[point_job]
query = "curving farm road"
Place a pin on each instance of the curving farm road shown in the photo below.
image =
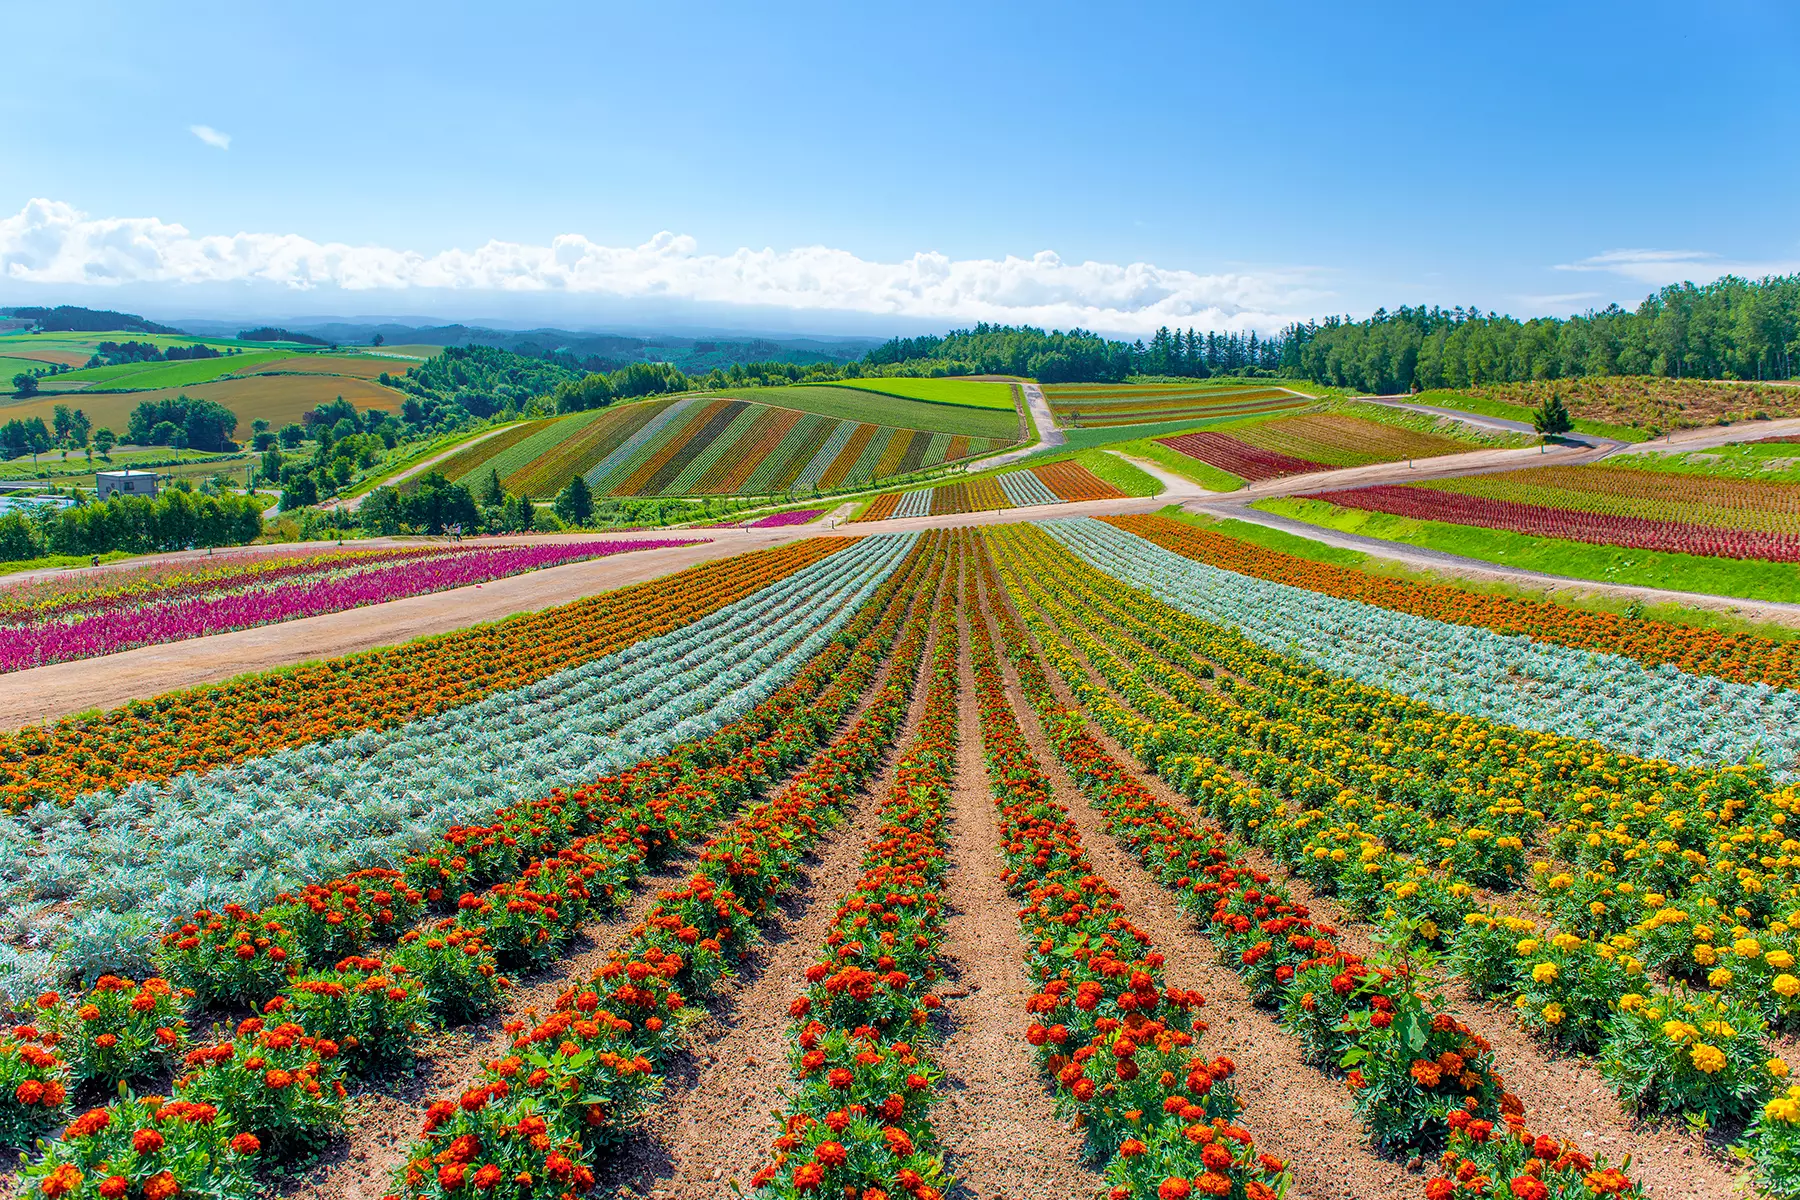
(46, 693)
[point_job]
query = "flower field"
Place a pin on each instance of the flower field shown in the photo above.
(652, 893)
(1055, 483)
(59, 623)
(1311, 442)
(724, 445)
(1687, 514)
(1098, 404)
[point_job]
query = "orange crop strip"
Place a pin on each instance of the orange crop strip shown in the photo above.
(881, 509)
(1739, 657)
(212, 726)
(1072, 481)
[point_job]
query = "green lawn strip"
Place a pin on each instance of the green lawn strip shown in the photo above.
(1370, 564)
(968, 393)
(1774, 463)
(1175, 462)
(1463, 402)
(413, 456)
(181, 373)
(58, 561)
(1748, 579)
(878, 408)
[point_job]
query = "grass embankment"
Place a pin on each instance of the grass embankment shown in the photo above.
(1485, 407)
(1746, 579)
(1303, 547)
(1776, 462)
(969, 393)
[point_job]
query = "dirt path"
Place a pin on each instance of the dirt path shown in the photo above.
(715, 1126)
(44, 693)
(1001, 1135)
(399, 477)
(1294, 1111)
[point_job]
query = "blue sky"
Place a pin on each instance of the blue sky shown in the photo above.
(905, 166)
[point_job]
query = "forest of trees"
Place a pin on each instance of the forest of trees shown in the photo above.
(71, 318)
(1077, 356)
(1729, 329)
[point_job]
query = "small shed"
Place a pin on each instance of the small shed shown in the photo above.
(127, 483)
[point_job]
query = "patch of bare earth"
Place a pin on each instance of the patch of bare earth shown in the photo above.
(1001, 1135)
(716, 1121)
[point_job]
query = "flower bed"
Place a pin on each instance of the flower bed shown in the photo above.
(146, 620)
(607, 833)
(1738, 657)
(859, 1117)
(1116, 1042)
(207, 727)
(613, 1037)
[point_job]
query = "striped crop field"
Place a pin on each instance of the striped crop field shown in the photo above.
(1086, 405)
(724, 444)
(1309, 442)
(889, 866)
(1687, 514)
(1053, 483)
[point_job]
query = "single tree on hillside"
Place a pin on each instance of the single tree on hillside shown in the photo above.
(25, 384)
(1552, 416)
(492, 494)
(575, 503)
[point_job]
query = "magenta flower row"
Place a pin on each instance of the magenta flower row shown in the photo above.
(153, 623)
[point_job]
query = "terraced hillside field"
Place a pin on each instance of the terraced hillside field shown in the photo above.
(725, 444)
(1091, 405)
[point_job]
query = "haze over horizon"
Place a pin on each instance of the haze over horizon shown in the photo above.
(814, 170)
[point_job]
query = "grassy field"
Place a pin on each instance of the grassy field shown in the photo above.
(1506, 411)
(140, 377)
(55, 469)
(854, 404)
(1205, 474)
(1301, 547)
(278, 399)
(74, 349)
(972, 393)
(1748, 579)
(1775, 462)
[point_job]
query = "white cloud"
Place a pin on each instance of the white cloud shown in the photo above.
(1659, 267)
(211, 136)
(51, 242)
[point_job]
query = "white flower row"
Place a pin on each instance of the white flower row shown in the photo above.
(1025, 489)
(1653, 712)
(914, 504)
(120, 865)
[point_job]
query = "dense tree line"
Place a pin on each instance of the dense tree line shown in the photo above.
(183, 423)
(597, 390)
(70, 318)
(269, 333)
(175, 520)
(111, 354)
(480, 380)
(1729, 329)
(1076, 356)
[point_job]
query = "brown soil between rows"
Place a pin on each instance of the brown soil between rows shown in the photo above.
(714, 1126)
(1001, 1135)
(384, 1119)
(1295, 1112)
(1564, 1096)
